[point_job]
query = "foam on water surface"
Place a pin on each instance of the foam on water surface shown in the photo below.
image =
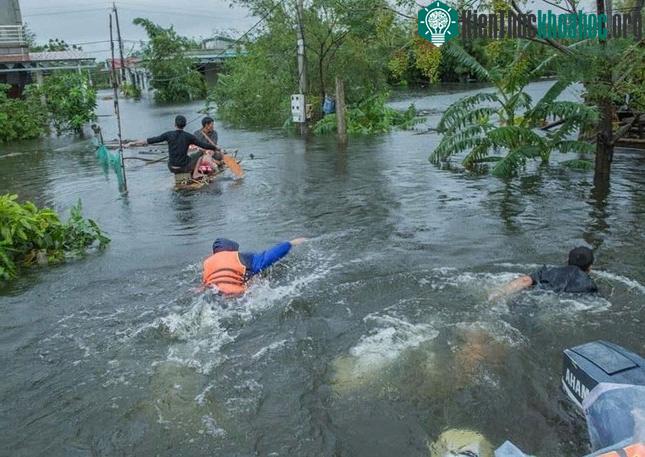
(379, 349)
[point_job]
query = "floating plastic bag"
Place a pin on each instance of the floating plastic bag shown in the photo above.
(615, 415)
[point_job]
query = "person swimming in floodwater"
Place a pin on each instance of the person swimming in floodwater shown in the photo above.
(228, 270)
(572, 278)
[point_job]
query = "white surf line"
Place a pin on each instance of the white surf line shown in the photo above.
(631, 283)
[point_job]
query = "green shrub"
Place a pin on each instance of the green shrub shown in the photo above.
(20, 119)
(130, 91)
(71, 100)
(29, 235)
(370, 116)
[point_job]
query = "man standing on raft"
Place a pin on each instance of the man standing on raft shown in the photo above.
(228, 270)
(179, 160)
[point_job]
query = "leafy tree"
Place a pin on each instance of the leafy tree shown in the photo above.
(70, 100)
(253, 89)
(353, 39)
(53, 45)
(174, 77)
(595, 63)
(20, 119)
(505, 120)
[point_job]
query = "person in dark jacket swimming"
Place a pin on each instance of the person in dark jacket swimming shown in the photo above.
(573, 278)
(179, 160)
(228, 270)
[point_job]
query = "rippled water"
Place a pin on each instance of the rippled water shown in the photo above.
(370, 340)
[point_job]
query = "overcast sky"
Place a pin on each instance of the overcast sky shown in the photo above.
(77, 21)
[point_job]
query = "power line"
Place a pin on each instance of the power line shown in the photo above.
(167, 12)
(59, 12)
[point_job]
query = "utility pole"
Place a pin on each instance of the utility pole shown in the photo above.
(341, 126)
(116, 107)
(302, 61)
(118, 34)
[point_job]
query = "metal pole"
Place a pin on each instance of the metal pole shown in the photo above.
(116, 107)
(118, 34)
(341, 127)
(302, 60)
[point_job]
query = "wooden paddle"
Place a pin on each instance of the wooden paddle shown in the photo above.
(232, 165)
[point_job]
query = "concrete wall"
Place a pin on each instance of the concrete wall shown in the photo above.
(10, 12)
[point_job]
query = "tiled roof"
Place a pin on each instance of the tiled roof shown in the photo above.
(44, 57)
(58, 55)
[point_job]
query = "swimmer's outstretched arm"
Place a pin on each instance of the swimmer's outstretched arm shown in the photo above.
(260, 261)
(521, 283)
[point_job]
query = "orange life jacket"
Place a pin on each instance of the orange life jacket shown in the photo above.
(633, 450)
(225, 271)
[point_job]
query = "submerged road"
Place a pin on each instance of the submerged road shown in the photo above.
(370, 340)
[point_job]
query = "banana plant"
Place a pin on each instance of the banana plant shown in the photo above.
(501, 126)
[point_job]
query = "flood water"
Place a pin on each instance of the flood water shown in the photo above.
(370, 340)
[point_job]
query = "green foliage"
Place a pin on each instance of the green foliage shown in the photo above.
(20, 119)
(100, 78)
(352, 39)
(54, 45)
(130, 91)
(428, 59)
(398, 64)
(505, 120)
(254, 88)
(613, 72)
(173, 75)
(370, 116)
(71, 101)
(30, 235)
(578, 164)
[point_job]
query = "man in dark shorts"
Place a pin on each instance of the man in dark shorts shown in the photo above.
(179, 160)
(572, 278)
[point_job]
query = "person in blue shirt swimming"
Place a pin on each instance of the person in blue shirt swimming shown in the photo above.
(228, 270)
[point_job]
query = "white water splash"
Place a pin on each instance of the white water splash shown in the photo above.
(377, 351)
(199, 332)
(631, 283)
(212, 428)
(269, 348)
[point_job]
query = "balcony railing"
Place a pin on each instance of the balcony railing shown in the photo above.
(12, 35)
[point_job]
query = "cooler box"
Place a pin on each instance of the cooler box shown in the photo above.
(587, 365)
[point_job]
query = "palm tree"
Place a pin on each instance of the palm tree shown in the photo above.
(487, 124)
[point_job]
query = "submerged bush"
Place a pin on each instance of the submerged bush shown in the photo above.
(29, 235)
(20, 119)
(130, 91)
(370, 116)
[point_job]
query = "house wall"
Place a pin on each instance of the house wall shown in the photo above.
(10, 12)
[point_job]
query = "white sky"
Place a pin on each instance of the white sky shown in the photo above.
(77, 21)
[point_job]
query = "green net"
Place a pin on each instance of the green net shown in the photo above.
(109, 156)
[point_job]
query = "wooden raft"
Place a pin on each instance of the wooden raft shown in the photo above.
(184, 181)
